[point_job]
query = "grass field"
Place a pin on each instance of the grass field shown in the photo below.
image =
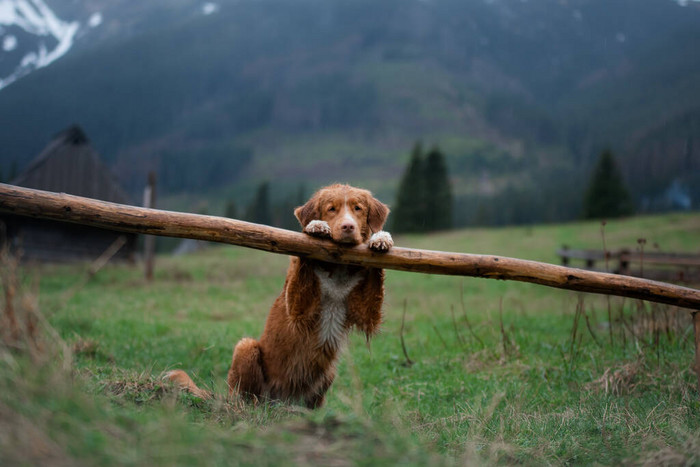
(501, 373)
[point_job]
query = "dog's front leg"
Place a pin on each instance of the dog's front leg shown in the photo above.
(318, 228)
(381, 241)
(301, 291)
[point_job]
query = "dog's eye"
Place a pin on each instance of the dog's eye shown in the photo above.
(331, 209)
(358, 208)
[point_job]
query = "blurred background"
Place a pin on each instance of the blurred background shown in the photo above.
(243, 107)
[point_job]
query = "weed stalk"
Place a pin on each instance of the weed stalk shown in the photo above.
(409, 362)
(573, 351)
(454, 324)
(466, 319)
(504, 337)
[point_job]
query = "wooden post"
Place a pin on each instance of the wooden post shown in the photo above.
(624, 257)
(565, 255)
(149, 242)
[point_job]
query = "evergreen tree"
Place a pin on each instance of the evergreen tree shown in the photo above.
(259, 210)
(424, 198)
(438, 195)
(409, 213)
(607, 195)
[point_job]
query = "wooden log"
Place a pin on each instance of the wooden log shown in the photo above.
(68, 208)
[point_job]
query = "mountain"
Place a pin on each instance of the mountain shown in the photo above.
(32, 37)
(35, 33)
(521, 95)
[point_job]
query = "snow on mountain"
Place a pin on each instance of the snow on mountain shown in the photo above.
(35, 33)
(95, 20)
(9, 43)
(210, 8)
(32, 37)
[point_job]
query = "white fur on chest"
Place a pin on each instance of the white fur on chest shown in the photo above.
(335, 288)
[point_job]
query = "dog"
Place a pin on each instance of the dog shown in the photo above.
(295, 358)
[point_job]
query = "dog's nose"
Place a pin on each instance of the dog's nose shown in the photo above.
(348, 227)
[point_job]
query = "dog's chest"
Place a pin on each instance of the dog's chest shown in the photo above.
(335, 287)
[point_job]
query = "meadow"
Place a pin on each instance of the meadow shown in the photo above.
(465, 371)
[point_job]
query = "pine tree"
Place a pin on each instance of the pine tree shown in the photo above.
(438, 194)
(607, 195)
(259, 210)
(409, 212)
(424, 198)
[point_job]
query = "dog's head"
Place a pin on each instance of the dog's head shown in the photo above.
(353, 214)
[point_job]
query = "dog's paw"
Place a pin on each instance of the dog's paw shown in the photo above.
(318, 229)
(381, 241)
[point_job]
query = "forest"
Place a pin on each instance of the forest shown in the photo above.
(319, 89)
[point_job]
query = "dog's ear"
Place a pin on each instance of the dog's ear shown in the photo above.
(376, 217)
(307, 212)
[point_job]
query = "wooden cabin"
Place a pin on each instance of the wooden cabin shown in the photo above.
(69, 164)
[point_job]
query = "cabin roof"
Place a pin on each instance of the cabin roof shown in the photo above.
(70, 164)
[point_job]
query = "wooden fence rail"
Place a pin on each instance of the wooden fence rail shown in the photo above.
(683, 267)
(68, 208)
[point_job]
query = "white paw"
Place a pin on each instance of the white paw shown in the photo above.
(318, 229)
(381, 241)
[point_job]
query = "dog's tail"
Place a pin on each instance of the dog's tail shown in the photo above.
(185, 383)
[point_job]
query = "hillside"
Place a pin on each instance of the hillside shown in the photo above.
(521, 95)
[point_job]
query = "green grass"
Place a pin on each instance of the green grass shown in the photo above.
(497, 377)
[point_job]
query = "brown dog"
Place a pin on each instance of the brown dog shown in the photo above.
(294, 359)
